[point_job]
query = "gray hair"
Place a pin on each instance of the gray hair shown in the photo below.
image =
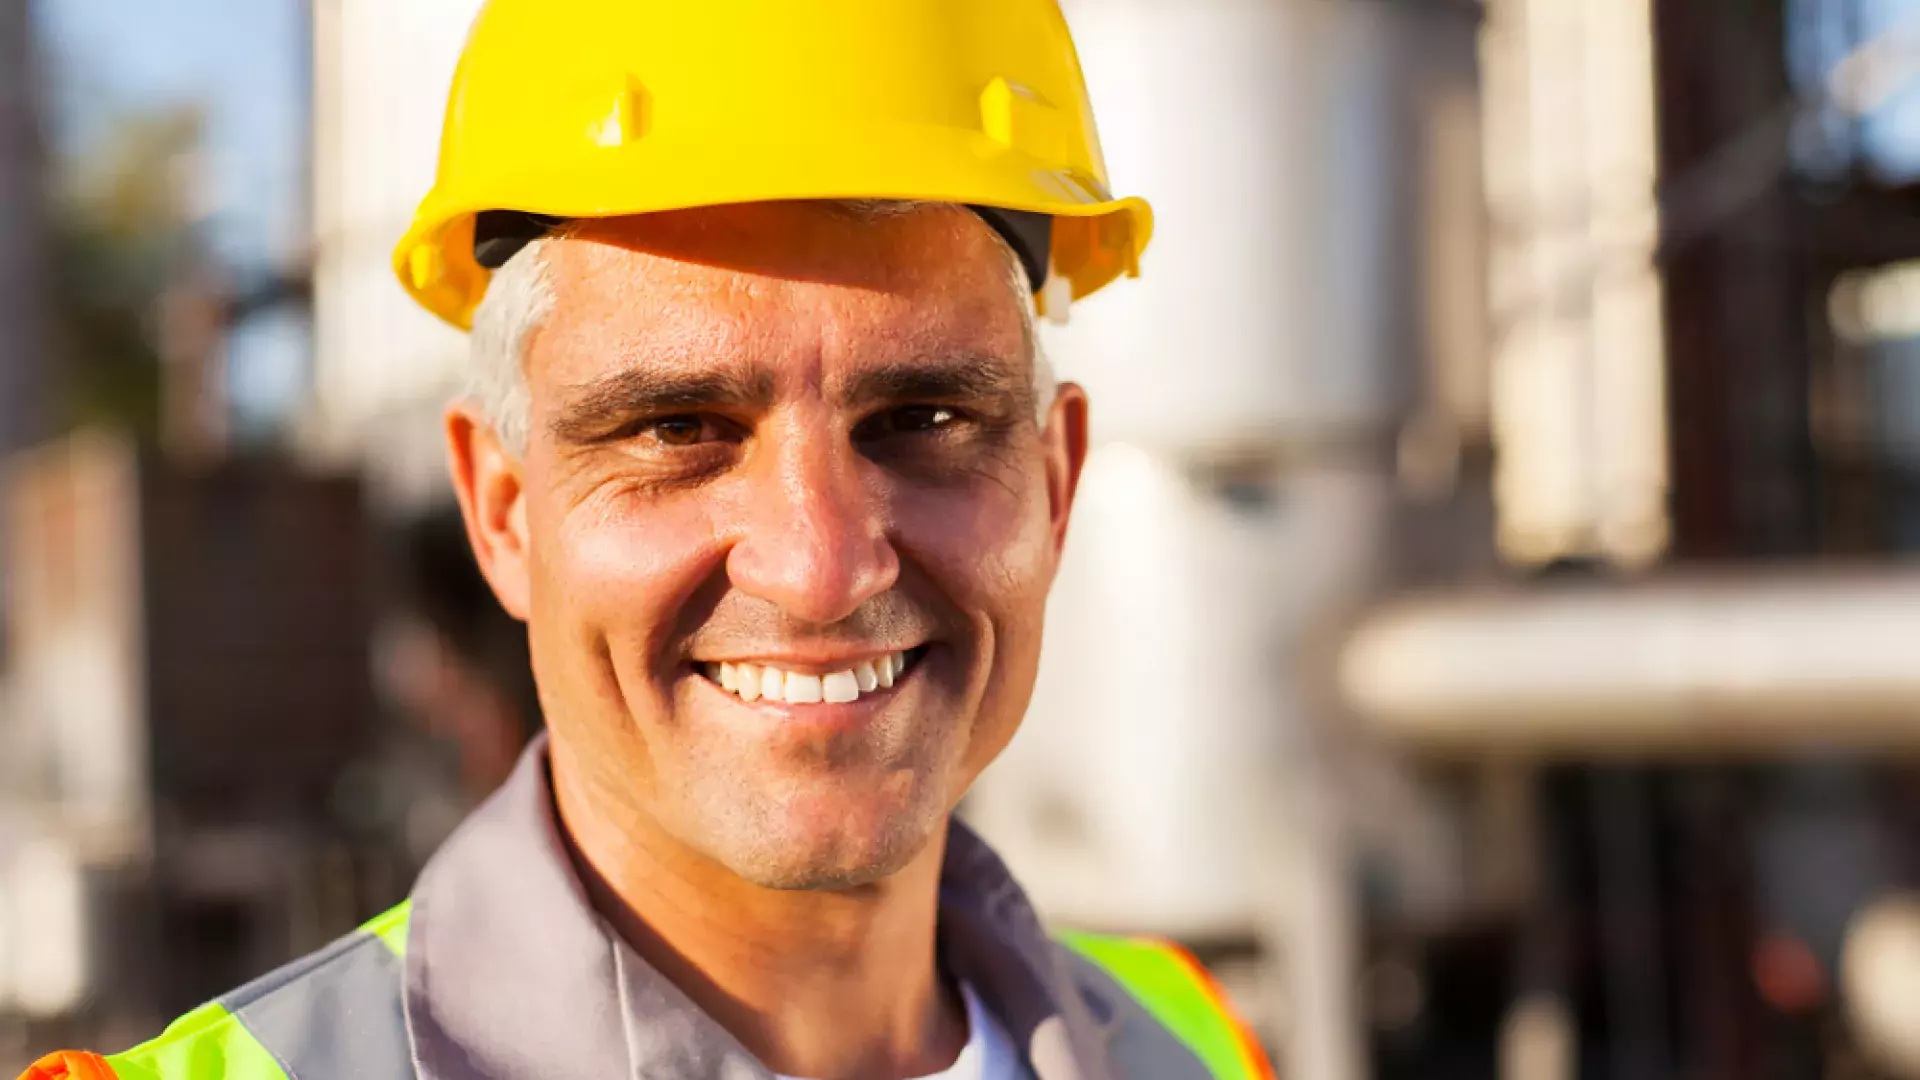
(521, 296)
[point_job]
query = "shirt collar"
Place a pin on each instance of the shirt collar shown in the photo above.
(511, 975)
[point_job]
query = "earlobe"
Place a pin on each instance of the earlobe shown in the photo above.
(489, 483)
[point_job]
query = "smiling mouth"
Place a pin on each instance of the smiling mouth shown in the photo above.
(775, 685)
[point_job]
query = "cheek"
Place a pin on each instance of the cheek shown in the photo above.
(611, 572)
(989, 550)
(988, 544)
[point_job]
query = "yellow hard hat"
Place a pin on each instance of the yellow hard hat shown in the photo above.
(565, 109)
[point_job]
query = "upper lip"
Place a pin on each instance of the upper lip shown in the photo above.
(807, 661)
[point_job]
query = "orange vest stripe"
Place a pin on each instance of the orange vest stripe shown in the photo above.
(68, 1065)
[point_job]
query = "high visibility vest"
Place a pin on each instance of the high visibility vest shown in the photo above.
(338, 1014)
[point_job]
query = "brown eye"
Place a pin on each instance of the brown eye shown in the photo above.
(922, 418)
(908, 420)
(680, 430)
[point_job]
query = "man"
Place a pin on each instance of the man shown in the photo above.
(762, 451)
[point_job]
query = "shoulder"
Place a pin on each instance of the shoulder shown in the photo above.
(1172, 1003)
(334, 1013)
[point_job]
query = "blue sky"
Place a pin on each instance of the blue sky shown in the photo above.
(1824, 31)
(243, 61)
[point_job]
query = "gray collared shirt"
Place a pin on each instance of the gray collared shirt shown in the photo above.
(511, 975)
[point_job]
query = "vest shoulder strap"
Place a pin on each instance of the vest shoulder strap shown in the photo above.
(335, 1015)
(1177, 991)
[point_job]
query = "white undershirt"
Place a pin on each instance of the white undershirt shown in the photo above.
(989, 1053)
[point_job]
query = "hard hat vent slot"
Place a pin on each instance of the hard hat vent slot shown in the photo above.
(1017, 117)
(623, 121)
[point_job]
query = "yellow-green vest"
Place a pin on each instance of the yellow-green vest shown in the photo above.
(333, 1014)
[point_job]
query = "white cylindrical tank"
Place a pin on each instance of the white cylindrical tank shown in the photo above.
(1143, 792)
(1286, 148)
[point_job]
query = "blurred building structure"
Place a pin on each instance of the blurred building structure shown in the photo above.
(24, 268)
(23, 243)
(185, 693)
(1576, 367)
(1681, 737)
(383, 368)
(187, 684)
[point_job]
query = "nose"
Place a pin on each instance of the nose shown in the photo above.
(814, 537)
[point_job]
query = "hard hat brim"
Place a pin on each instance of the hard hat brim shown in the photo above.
(1096, 237)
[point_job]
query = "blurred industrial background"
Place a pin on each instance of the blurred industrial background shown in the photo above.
(1490, 635)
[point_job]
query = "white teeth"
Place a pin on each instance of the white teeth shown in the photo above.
(840, 687)
(756, 681)
(803, 689)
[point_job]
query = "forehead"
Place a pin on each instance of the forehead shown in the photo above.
(789, 285)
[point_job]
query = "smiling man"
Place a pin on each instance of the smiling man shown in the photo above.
(762, 450)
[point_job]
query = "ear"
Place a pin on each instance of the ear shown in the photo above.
(489, 484)
(1065, 440)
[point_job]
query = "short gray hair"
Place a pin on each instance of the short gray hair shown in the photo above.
(521, 296)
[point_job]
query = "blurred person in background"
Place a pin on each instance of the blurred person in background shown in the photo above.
(456, 666)
(463, 670)
(762, 451)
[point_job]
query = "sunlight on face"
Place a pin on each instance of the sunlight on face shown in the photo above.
(780, 455)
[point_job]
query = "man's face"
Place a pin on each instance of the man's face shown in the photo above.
(786, 437)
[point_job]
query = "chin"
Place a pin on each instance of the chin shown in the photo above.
(827, 852)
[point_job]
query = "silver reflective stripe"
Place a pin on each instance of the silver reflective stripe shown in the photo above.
(337, 1015)
(1140, 1045)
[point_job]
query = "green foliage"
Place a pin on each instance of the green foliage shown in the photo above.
(122, 233)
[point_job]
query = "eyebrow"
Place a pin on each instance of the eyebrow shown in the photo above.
(595, 410)
(965, 377)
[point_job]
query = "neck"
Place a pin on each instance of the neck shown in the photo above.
(840, 983)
